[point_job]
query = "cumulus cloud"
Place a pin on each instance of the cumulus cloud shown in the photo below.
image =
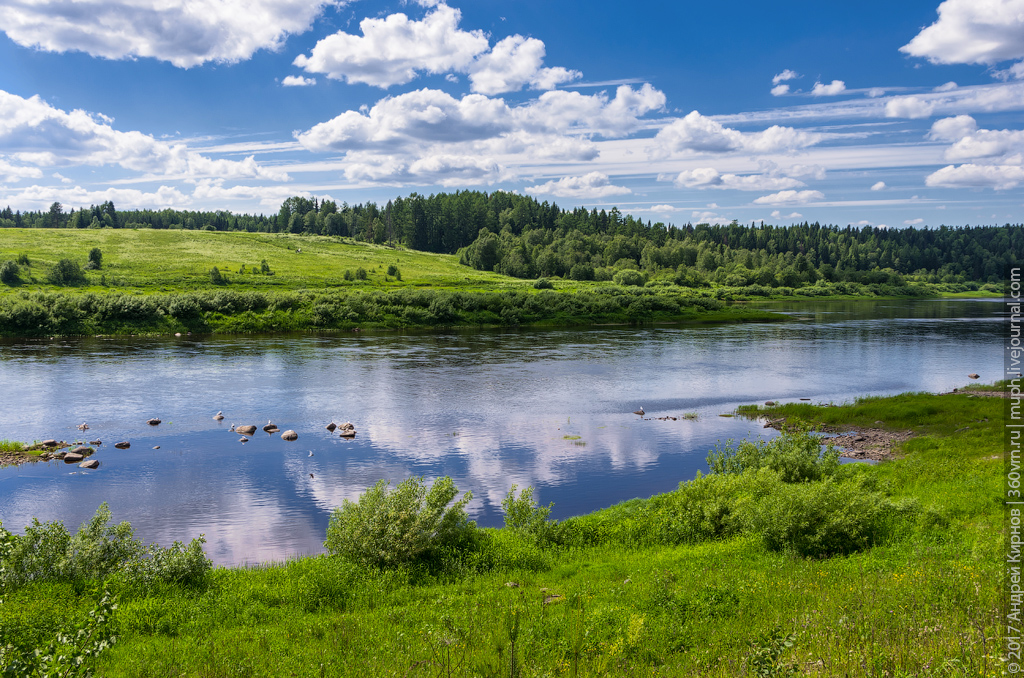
(708, 177)
(391, 50)
(909, 107)
(395, 49)
(698, 133)
(970, 175)
(298, 81)
(833, 88)
(776, 214)
(699, 217)
(789, 198)
(664, 209)
(514, 63)
(10, 173)
(784, 76)
(948, 87)
(33, 132)
(41, 197)
(591, 185)
(779, 90)
(972, 32)
(878, 186)
(185, 33)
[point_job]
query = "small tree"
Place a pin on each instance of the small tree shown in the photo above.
(66, 272)
(394, 528)
(360, 273)
(264, 267)
(394, 272)
(8, 273)
(95, 259)
(348, 275)
(216, 278)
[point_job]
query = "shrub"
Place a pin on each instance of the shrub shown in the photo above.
(394, 272)
(348, 275)
(66, 272)
(360, 273)
(23, 260)
(9, 273)
(400, 527)
(629, 277)
(543, 284)
(264, 267)
(216, 278)
(796, 457)
(96, 257)
(523, 515)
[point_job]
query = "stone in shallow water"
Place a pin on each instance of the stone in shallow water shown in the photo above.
(290, 435)
(91, 463)
(123, 445)
(73, 458)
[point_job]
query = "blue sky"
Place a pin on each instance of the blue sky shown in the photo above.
(881, 113)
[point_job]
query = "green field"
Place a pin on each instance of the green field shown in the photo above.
(789, 565)
(159, 282)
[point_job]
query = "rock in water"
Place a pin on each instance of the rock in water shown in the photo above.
(973, 376)
(245, 430)
(92, 463)
(73, 458)
(124, 445)
(82, 450)
(271, 428)
(154, 422)
(218, 416)
(290, 435)
(95, 442)
(769, 403)
(330, 427)
(49, 443)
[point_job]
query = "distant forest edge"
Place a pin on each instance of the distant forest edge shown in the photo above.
(518, 236)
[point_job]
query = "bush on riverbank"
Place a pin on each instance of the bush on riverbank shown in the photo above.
(45, 313)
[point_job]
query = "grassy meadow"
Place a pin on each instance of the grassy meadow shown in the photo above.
(783, 563)
(160, 282)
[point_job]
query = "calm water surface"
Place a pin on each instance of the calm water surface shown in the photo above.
(489, 408)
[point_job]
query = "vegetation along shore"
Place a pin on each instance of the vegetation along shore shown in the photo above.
(461, 259)
(780, 561)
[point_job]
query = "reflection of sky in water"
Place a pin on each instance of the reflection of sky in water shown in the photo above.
(489, 408)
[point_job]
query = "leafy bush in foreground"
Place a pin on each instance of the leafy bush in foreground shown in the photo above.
(400, 527)
(47, 551)
(796, 457)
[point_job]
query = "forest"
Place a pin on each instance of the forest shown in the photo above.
(518, 236)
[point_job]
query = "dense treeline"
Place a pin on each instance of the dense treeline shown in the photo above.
(521, 237)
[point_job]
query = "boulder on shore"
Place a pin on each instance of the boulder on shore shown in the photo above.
(290, 435)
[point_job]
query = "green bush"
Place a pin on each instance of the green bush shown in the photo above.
(216, 278)
(47, 551)
(66, 272)
(9, 273)
(523, 515)
(360, 273)
(348, 275)
(96, 257)
(400, 527)
(627, 277)
(796, 457)
(23, 260)
(542, 284)
(394, 272)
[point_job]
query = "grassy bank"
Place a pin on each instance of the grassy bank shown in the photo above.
(781, 561)
(160, 282)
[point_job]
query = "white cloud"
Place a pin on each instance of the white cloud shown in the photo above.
(271, 196)
(695, 132)
(563, 111)
(999, 177)
(913, 222)
(789, 198)
(11, 173)
(948, 87)
(591, 185)
(63, 179)
(952, 129)
(833, 88)
(391, 50)
(909, 107)
(41, 197)
(875, 92)
(779, 90)
(972, 32)
(184, 32)
(708, 177)
(784, 76)
(698, 217)
(34, 132)
(776, 214)
(298, 81)
(514, 63)
(664, 209)
(878, 186)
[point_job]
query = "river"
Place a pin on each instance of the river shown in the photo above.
(552, 409)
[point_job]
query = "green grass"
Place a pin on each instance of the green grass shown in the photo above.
(11, 446)
(924, 602)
